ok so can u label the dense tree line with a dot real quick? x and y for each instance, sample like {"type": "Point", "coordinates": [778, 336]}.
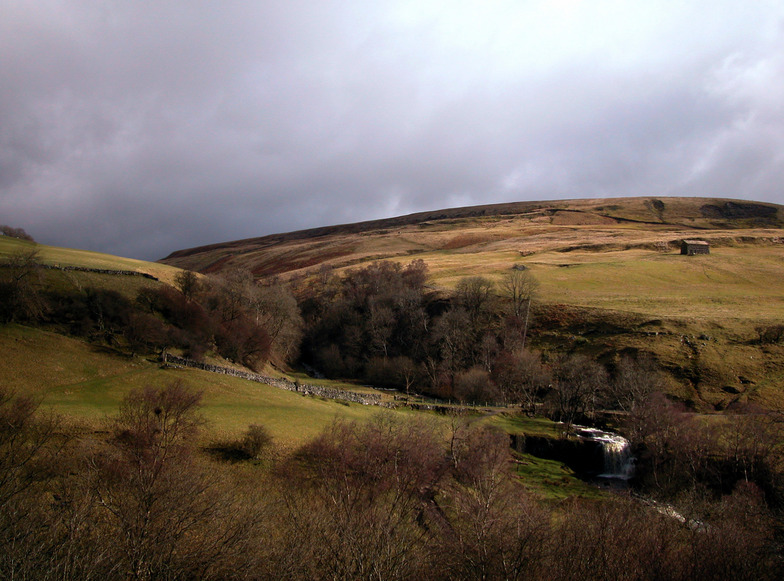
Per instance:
{"type": "Point", "coordinates": [679, 452]}
{"type": "Point", "coordinates": [12, 232]}
{"type": "Point", "coordinates": [230, 314]}
{"type": "Point", "coordinates": [386, 499]}
{"type": "Point", "coordinates": [20, 282]}
{"type": "Point", "coordinates": [383, 325]}
{"type": "Point", "coordinates": [380, 324]}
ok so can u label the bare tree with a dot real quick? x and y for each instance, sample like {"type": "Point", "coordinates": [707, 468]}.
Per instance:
{"type": "Point", "coordinates": [614, 539]}
{"type": "Point", "coordinates": [15, 233]}
{"type": "Point", "coordinates": [475, 295]}
{"type": "Point", "coordinates": [415, 274]}
{"type": "Point", "coordinates": [25, 436]}
{"type": "Point", "coordinates": [255, 440]}
{"type": "Point", "coordinates": [522, 377]}
{"type": "Point", "coordinates": [276, 310]}
{"type": "Point", "coordinates": [452, 338]}
{"type": "Point", "coordinates": [188, 283]}
{"type": "Point", "coordinates": [495, 531]}
{"type": "Point", "coordinates": [359, 489]}
{"type": "Point", "coordinates": [380, 324]}
{"type": "Point", "coordinates": [19, 281]}
{"type": "Point", "coordinates": [635, 379]}
{"type": "Point", "coordinates": [578, 382]}
{"type": "Point", "coordinates": [407, 372]}
{"type": "Point", "coordinates": [520, 287]}
{"type": "Point", "coordinates": [234, 293]}
{"type": "Point", "coordinates": [474, 385]}
{"type": "Point", "coordinates": [146, 482]}
{"type": "Point", "coordinates": [30, 443]}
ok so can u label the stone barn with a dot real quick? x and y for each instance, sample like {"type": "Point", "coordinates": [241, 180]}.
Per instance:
{"type": "Point", "coordinates": [692, 247]}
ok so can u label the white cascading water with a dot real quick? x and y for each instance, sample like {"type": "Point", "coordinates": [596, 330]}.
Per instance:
{"type": "Point", "coordinates": [618, 459]}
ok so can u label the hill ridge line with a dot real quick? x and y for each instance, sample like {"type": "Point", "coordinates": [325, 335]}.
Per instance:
{"type": "Point", "coordinates": [475, 211]}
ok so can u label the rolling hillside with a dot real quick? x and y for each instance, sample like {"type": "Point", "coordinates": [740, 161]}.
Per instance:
{"type": "Point", "coordinates": [501, 233]}
{"type": "Point", "coordinates": [86, 259]}
{"type": "Point", "coordinates": [612, 280]}
{"type": "Point", "coordinates": [610, 269]}
{"type": "Point", "coordinates": [608, 287]}
{"type": "Point", "coordinates": [86, 381]}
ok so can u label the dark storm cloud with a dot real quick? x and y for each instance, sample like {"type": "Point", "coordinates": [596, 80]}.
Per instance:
{"type": "Point", "coordinates": [138, 128]}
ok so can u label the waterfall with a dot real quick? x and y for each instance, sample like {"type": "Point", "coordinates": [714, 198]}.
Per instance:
{"type": "Point", "coordinates": [618, 459]}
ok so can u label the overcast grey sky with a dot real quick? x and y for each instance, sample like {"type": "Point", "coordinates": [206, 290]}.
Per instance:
{"type": "Point", "coordinates": [141, 127]}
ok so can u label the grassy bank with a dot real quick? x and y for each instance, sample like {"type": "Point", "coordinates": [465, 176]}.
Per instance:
{"type": "Point", "coordinates": [87, 383]}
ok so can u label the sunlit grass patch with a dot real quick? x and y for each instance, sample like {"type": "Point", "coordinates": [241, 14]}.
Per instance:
{"type": "Point", "coordinates": [514, 423]}
{"type": "Point", "coordinates": [87, 383]}
{"type": "Point", "coordinates": [551, 480]}
{"type": "Point", "coordinates": [57, 256]}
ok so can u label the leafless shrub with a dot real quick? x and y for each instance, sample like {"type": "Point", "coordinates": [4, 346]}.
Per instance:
{"type": "Point", "coordinates": [25, 444]}
{"type": "Point", "coordinates": [154, 497]}
{"type": "Point", "coordinates": [495, 531]}
{"type": "Point", "coordinates": [727, 539]}
{"type": "Point", "coordinates": [578, 385]}
{"type": "Point", "coordinates": [359, 490]}
{"type": "Point", "coordinates": [29, 444]}
{"type": "Point", "coordinates": [770, 334]}
{"type": "Point", "coordinates": [256, 440]}
{"type": "Point", "coordinates": [475, 386]}
{"type": "Point", "coordinates": [188, 283]}
{"type": "Point", "coordinates": [634, 381]}
{"type": "Point", "coordinates": [521, 377]}
{"type": "Point", "coordinates": [616, 539]}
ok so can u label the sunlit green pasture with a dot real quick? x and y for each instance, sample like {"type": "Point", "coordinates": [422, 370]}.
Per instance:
{"type": "Point", "coordinates": [87, 383]}
{"type": "Point", "coordinates": [730, 283]}
{"type": "Point", "coordinates": [53, 255]}
{"type": "Point", "coordinates": [513, 423]}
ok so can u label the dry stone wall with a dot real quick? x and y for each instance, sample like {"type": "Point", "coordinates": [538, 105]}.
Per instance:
{"type": "Point", "coordinates": [100, 271]}
{"type": "Point", "coordinates": [303, 388]}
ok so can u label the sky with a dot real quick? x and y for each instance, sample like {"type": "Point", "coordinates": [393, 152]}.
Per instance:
{"type": "Point", "coordinates": [141, 127]}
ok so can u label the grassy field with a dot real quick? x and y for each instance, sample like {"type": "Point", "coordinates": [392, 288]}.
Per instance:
{"type": "Point", "coordinates": [551, 480]}
{"type": "Point", "coordinates": [56, 256]}
{"type": "Point", "coordinates": [618, 259]}
{"type": "Point", "coordinates": [86, 383]}
{"type": "Point", "coordinates": [720, 286]}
